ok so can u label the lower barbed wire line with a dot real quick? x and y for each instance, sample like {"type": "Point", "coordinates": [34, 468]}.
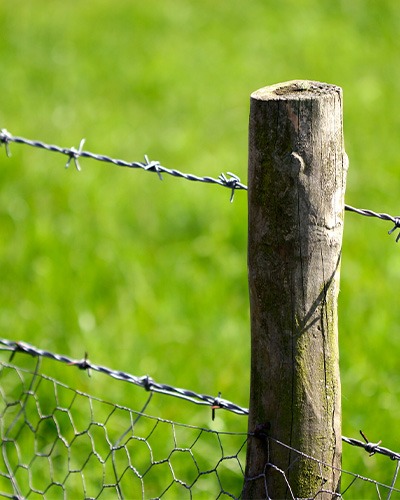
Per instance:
{"type": "Point", "coordinates": [372, 448]}
{"type": "Point", "coordinates": [149, 384]}
{"type": "Point", "coordinates": [145, 382]}
{"type": "Point", "coordinates": [355, 476]}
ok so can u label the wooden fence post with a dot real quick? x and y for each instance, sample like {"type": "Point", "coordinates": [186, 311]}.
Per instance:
{"type": "Point", "coordinates": [297, 174]}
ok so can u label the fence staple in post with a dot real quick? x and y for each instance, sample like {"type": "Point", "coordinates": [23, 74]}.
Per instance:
{"type": "Point", "coordinates": [297, 174]}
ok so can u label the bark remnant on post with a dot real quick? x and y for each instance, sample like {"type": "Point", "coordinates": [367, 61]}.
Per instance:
{"type": "Point", "coordinates": [297, 177]}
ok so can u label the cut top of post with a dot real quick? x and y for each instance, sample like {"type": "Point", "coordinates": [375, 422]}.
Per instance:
{"type": "Point", "coordinates": [300, 89]}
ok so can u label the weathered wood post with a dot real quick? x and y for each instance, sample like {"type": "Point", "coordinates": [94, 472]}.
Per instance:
{"type": "Point", "coordinates": [297, 176]}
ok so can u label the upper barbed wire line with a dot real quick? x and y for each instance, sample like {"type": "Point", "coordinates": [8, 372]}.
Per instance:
{"type": "Point", "coordinates": [370, 213]}
{"type": "Point", "coordinates": [229, 180]}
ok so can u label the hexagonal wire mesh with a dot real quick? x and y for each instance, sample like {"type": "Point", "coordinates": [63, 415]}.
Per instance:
{"type": "Point", "coordinates": [57, 441]}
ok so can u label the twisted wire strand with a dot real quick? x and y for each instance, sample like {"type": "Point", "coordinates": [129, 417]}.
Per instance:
{"type": "Point", "coordinates": [372, 448]}
{"type": "Point", "coordinates": [145, 382]}
{"type": "Point", "coordinates": [370, 213]}
{"type": "Point", "coordinates": [228, 180]}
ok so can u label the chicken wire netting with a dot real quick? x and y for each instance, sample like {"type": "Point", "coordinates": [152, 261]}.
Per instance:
{"type": "Point", "coordinates": [58, 442]}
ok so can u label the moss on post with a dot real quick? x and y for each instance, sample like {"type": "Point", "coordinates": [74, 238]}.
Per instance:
{"type": "Point", "coordinates": [297, 173]}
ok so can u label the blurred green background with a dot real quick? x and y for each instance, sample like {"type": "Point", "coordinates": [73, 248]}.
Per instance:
{"type": "Point", "coordinates": [149, 276]}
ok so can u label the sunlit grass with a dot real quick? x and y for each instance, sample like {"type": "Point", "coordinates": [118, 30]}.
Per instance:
{"type": "Point", "coordinates": [149, 276]}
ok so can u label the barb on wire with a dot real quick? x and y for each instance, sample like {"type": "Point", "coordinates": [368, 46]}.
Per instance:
{"type": "Point", "coordinates": [232, 182]}
{"type": "Point", "coordinates": [372, 448]}
{"type": "Point", "coordinates": [145, 382]}
{"type": "Point", "coordinates": [333, 494]}
{"type": "Point", "coordinates": [155, 165]}
{"type": "Point", "coordinates": [229, 181]}
{"type": "Point", "coordinates": [369, 447]}
{"type": "Point", "coordinates": [5, 138]}
{"type": "Point", "coordinates": [74, 154]}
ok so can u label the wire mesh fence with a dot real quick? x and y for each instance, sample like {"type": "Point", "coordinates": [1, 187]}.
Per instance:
{"type": "Point", "coordinates": [58, 441]}
{"type": "Point", "coordinates": [61, 442]}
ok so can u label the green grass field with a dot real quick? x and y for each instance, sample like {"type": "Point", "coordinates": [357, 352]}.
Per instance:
{"type": "Point", "coordinates": [150, 277]}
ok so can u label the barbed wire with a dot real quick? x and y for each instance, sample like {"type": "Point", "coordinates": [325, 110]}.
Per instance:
{"type": "Point", "coordinates": [228, 180]}
{"type": "Point", "coordinates": [370, 213]}
{"type": "Point", "coordinates": [150, 385]}
{"type": "Point", "coordinates": [372, 448]}
{"type": "Point", "coordinates": [354, 477]}
{"type": "Point", "coordinates": [232, 182]}
{"type": "Point", "coordinates": [145, 382]}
